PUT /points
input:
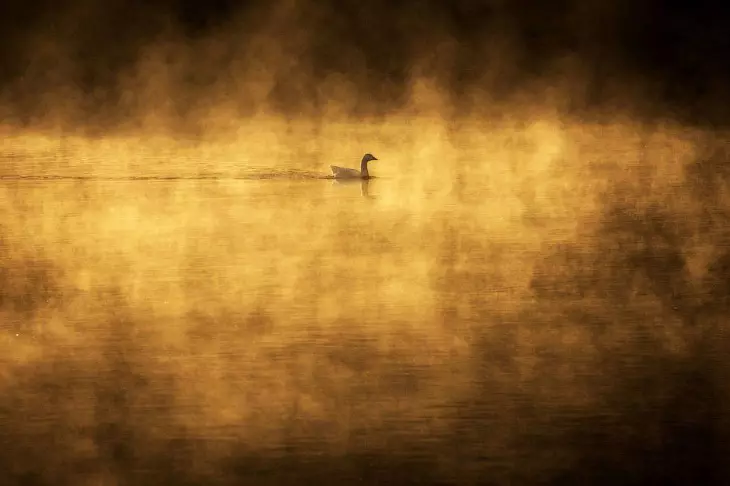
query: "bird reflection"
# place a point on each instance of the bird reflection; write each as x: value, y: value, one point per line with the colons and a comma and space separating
x: 364, y: 185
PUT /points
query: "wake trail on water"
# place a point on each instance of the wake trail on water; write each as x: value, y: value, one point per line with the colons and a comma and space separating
x: 252, y: 175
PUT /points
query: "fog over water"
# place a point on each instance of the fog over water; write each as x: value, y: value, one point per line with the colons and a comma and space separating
x: 532, y: 290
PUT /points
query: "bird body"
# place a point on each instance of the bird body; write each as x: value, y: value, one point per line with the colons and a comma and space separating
x: 345, y: 173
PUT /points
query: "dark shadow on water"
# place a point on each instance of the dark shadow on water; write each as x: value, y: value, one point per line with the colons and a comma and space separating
x: 29, y: 282
x: 628, y: 283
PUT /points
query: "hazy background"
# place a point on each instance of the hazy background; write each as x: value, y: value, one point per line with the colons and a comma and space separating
x: 533, y: 291
x: 84, y: 63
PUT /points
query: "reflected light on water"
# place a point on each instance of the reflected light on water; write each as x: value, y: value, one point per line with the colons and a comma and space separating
x: 467, y: 296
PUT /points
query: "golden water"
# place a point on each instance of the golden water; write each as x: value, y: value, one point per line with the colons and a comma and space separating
x: 473, y: 312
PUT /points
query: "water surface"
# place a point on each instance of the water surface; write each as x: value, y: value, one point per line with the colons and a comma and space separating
x: 500, y: 317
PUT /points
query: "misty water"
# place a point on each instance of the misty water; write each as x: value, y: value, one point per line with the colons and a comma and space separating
x: 521, y: 308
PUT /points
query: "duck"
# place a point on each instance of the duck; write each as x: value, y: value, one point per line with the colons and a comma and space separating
x: 345, y: 173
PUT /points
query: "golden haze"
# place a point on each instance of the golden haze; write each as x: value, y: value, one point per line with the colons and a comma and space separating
x: 500, y: 259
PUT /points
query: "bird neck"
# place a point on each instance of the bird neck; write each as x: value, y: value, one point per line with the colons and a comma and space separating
x: 364, y: 169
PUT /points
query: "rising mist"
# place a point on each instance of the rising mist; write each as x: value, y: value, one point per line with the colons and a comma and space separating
x: 533, y: 290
